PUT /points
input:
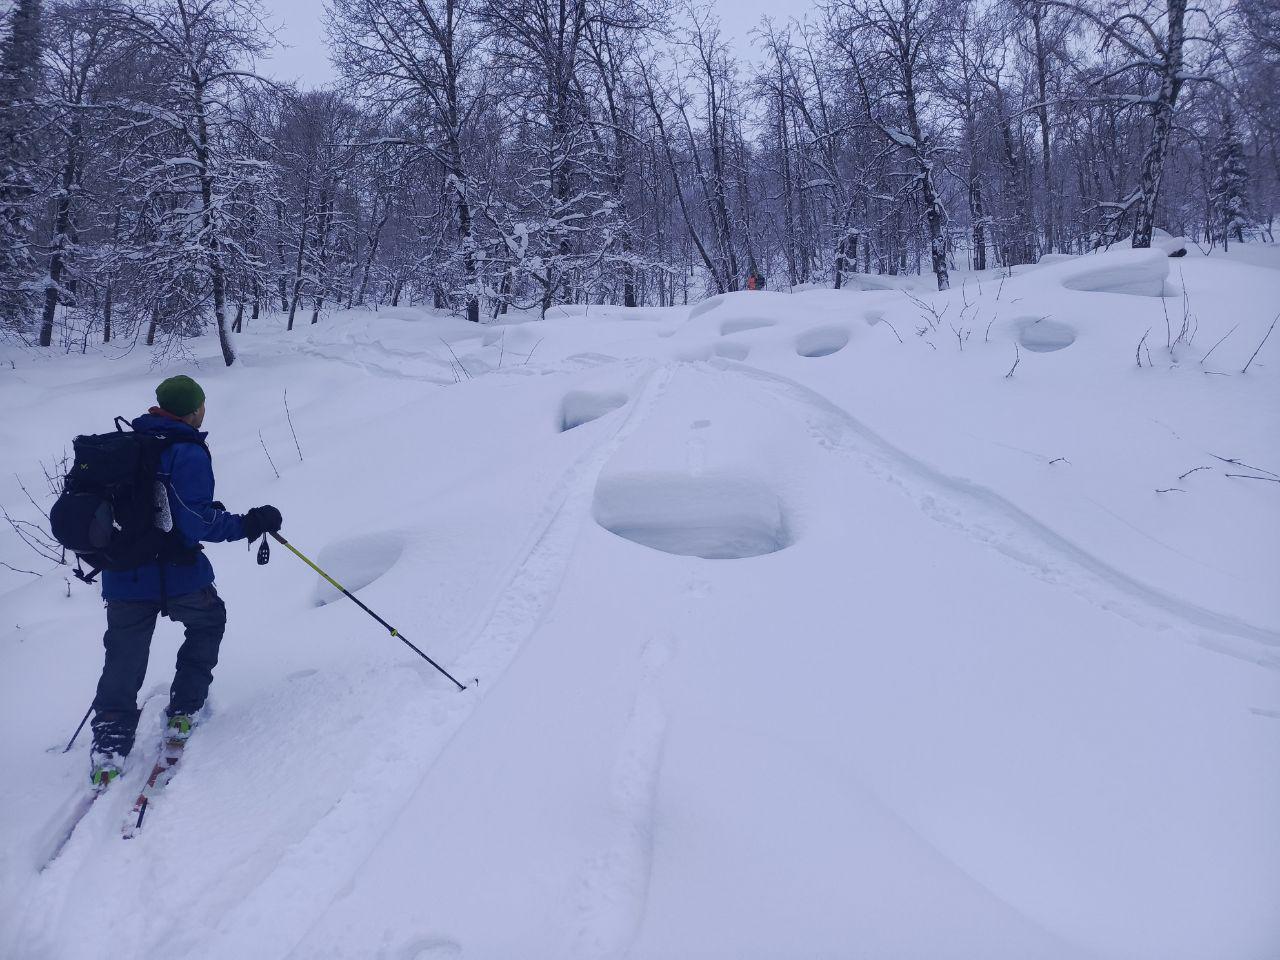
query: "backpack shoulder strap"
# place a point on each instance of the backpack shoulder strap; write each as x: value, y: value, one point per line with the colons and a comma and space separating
x: 167, y: 439
x: 173, y: 441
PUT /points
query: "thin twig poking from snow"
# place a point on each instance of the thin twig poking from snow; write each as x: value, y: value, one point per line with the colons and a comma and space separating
x: 1249, y: 476
x: 530, y: 356
x: 1186, y: 334
x: 1264, y: 340
x: 1215, y: 346
x: 19, y: 569
x: 928, y: 312
x: 268, y: 453
x: 1171, y: 490
x: 30, y: 499
x: 289, y: 417
x: 891, y: 327
x: 1017, y: 359
x: 1193, y: 470
x: 1247, y: 466
x: 35, y: 537
x: 1138, y: 352
x: 455, y: 357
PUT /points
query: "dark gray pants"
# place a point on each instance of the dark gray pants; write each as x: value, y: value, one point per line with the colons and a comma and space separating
x: 130, y: 624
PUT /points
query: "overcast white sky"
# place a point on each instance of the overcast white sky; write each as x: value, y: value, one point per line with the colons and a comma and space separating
x: 306, y: 59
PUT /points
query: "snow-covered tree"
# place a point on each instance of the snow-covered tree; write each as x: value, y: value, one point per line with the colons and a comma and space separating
x: 20, y: 81
x: 187, y: 174
x: 892, y: 50
x: 1229, y: 190
x: 79, y: 56
x: 421, y: 63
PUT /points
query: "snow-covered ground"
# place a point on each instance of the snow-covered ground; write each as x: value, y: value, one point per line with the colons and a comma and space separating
x: 801, y: 629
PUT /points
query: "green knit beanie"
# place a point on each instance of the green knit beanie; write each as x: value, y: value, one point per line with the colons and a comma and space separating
x: 180, y: 396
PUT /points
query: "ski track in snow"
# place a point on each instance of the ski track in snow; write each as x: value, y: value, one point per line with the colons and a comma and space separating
x: 613, y: 886
x: 255, y: 927
x: 991, y: 519
x: 533, y: 583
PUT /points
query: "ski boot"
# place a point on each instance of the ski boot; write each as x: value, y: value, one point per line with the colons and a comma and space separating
x: 104, y: 767
x: 179, y: 728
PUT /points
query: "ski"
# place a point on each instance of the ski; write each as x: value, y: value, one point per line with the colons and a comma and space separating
x: 161, y: 774
x: 69, y: 818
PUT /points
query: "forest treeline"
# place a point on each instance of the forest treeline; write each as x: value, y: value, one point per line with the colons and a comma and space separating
x: 479, y: 155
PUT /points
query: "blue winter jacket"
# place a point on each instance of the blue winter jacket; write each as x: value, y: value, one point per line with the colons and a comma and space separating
x: 186, y: 470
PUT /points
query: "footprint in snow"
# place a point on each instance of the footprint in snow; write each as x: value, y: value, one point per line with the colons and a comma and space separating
x: 692, y: 514
x: 822, y: 341
x: 583, y: 406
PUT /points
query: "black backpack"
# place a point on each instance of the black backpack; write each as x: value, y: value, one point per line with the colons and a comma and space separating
x: 113, y: 513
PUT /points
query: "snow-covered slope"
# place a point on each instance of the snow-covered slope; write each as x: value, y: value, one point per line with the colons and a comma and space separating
x: 800, y: 630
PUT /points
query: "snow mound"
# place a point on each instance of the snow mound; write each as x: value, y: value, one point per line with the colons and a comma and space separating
x: 742, y: 324
x: 1043, y: 335
x: 1166, y: 242
x: 583, y: 406
x: 713, y: 517
x: 706, y: 306
x: 822, y: 341
x: 355, y: 563
x: 1138, y: 272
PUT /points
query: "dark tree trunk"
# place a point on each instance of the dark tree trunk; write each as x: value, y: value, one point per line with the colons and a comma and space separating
x: 1171, y: 81
x: 106, y: 313
x: 1042, y: 111
x: 210, y: 240
x: 978, y: 218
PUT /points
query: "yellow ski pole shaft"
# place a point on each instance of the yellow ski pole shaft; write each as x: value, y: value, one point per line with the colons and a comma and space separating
x: 356, y: 600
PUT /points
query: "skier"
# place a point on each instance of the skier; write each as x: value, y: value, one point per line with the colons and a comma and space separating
x: 178, y: 584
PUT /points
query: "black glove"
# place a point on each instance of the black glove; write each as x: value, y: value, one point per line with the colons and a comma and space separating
x: 218, y: 505
x: 260, y: 520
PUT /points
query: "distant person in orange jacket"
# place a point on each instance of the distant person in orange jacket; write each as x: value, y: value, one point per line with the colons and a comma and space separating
x: 755, y: 281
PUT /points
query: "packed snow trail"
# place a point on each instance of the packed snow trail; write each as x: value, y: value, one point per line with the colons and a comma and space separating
x: 255, y: 925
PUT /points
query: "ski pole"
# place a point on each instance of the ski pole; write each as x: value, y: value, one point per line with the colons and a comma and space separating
x: 78, y: 729
x: 351, y: 596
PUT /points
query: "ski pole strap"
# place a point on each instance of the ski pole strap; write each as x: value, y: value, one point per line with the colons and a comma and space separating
x: 86, y: 577
x: 358, y: 602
